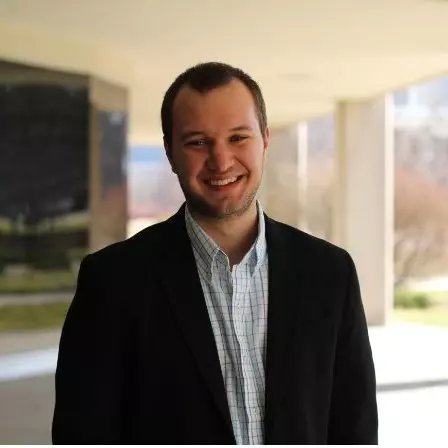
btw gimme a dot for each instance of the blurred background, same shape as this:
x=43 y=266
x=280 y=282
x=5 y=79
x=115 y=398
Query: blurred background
x=357 y=99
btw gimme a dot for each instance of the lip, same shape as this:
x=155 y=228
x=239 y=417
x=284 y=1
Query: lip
x=206 y=179
x=226 y=187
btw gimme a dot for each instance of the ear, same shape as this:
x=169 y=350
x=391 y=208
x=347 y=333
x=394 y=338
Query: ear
x=266 y=139
x=169 y=156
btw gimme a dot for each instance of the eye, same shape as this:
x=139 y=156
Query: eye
x=238 y=138
x=196 y=143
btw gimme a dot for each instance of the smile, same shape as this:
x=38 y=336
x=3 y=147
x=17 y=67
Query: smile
x=220 y=183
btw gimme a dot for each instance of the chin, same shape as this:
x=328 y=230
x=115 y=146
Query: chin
x=234 y=209
x=219 y=209
x=211 y=210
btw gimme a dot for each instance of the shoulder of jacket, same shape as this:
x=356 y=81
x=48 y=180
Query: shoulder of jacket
x=300 y=240
x=122 y=252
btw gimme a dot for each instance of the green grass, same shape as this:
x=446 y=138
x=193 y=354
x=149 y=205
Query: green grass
x=412 y=300
x=434 y=316
x=33 y=317
x=4 y=226
x=63 y=227
x=438 y=296
x=45 y=281
x=430 y=308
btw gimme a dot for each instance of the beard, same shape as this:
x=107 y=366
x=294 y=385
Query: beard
x=201 y=206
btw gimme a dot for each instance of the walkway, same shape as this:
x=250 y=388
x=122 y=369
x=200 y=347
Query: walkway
x=35 y=299
x=411 y=364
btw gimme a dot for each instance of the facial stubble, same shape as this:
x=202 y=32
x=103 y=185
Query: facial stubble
x=200 y=206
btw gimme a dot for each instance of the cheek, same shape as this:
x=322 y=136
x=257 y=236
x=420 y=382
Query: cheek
x=191 y=165
x=253 y=161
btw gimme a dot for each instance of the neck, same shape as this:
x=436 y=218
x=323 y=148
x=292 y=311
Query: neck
x=235 y=235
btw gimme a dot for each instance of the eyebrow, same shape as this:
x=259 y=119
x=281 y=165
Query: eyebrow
x=189 y=134
x=241 y=128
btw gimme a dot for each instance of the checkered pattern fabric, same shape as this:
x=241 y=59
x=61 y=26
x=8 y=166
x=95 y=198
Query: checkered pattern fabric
x=237 y=303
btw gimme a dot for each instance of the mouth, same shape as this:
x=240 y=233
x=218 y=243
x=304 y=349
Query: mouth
x=223 y=184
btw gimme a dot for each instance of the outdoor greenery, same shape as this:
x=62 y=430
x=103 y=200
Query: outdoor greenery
x=424 y=308
x=407 y=300
x=70 y=223
x=32 y=317
x=432 y=316
x=429 y=308
x=36 y=282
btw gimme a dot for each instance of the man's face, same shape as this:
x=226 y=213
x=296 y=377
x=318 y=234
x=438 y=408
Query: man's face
x=217 y=149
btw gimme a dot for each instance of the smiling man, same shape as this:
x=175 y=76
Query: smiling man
x=220 y=325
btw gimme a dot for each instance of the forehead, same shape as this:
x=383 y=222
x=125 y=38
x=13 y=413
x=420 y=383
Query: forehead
x=231 y=104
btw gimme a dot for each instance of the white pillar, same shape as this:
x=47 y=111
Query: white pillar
x=283 y=192
x=364 y=194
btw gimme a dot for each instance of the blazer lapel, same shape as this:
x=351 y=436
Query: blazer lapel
x=180 y=277
x=286 y=279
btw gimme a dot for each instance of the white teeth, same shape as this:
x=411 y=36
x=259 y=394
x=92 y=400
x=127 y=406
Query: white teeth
x=223 y=182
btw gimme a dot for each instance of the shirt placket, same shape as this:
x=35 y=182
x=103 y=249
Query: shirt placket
x=233 y=324
x=236 y=397
x=241 y=281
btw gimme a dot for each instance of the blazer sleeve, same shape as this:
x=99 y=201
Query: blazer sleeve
x=87 y=402
x=353 y=412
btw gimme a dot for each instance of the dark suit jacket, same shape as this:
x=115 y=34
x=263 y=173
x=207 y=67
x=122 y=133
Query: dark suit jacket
x=138 y=362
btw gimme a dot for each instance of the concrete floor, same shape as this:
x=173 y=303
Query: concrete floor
x=26 y=411
x=411 y=417
x=415 y=417
x=412 y=372
x=20 y=342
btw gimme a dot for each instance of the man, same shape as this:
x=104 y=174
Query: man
x=220 y=325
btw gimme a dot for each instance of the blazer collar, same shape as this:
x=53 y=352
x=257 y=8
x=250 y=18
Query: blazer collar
x=287 y=277
x=178 y=271
x=287 y=289
x=206 y=250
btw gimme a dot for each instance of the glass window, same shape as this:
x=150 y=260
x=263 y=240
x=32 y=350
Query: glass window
x=401 y=97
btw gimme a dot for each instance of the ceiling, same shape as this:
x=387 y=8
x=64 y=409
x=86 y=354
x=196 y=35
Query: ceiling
x=307 y=55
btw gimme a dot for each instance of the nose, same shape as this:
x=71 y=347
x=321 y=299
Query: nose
x=220 y=157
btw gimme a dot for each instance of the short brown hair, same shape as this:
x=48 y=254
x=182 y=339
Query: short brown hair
x=203 y=78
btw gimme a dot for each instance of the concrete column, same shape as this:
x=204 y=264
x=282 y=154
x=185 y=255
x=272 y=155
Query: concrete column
x=283 y=192
x=364 y=192
x=108 y=169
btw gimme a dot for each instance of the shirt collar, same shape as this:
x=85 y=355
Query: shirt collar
x=206 y=249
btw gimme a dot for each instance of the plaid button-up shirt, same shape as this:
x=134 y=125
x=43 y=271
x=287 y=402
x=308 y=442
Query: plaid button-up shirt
x=237 y=303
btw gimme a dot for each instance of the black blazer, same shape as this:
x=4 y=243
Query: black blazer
x=138 y=362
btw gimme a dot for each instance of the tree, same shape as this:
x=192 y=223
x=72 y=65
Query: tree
x=421 y=225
